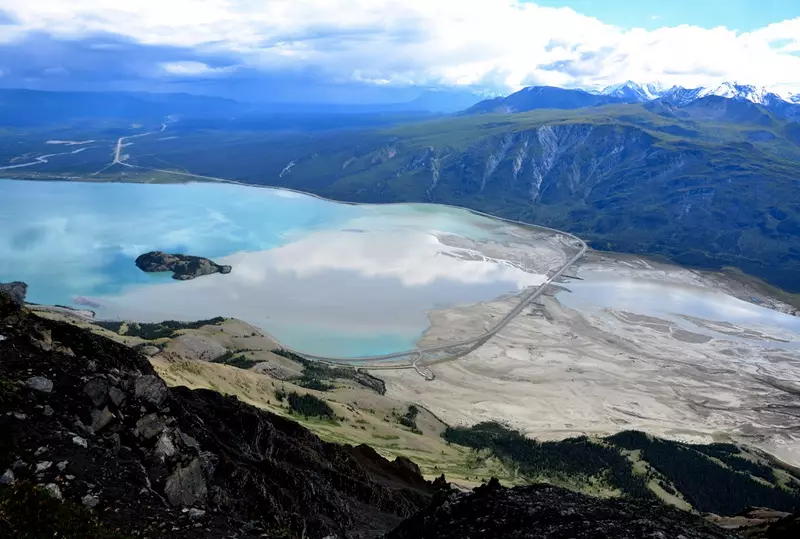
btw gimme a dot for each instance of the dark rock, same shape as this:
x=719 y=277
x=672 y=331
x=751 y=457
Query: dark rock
x=440 y=483
x=195 y=513
x=7 y=478
x=149 y=426
x=786 y=528
x=90 y=501
x=77 y=440
x=54 y=491
x=101 y=419
x=97 y=390
x=117 y=396
x=255 y=466
x=545 y=511
x=16 y=290
x=183 y=267
x=186 y=486
x=187 y=440
x=40 y=383
x=116 y=443
x=151 y=390
x=164 y=446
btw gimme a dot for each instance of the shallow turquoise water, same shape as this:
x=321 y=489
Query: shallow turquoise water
x=669 y=301
x=325 y=278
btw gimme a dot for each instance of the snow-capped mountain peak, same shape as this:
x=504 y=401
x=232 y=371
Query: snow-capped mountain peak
x=756 y=94
x=635 y=91
x=632 y=92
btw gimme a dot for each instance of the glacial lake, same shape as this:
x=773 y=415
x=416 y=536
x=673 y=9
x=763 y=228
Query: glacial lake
x=322 y=277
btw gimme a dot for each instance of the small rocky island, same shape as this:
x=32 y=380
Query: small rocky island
x=183 y=267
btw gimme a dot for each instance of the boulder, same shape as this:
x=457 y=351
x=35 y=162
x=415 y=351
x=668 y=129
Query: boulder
x=97 y=390
x=195 y=513
x=16 y=290
x=149 y=427
x=164 y=447
x=117 y=396
x=40 y=383
x=7 y=478
x=53 y=490
x=77 y=440
x=151 y=390
x=186 y=486
x=101 y=418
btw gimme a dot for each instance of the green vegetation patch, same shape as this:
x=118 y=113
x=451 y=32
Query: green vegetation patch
x=410 y=419
x=26 y=512
x=576 y=458
x=311 y=382
x=158 y=330
x=234 y=359
x=707 y=485
x=315 y=372
x=730 y=454
x=309 y=406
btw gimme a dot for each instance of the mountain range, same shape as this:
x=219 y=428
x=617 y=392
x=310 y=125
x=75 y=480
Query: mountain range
x=548 y=97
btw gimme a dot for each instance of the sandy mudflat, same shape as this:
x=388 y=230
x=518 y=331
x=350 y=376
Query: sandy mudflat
x=556 y=372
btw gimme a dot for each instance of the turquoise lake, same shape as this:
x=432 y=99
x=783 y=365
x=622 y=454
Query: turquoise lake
x=322 y=277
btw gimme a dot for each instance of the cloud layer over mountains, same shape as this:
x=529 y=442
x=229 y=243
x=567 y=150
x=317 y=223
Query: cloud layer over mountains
x=311 y=47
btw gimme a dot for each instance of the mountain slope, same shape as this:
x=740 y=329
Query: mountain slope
x=88 y=420
x=87 y=423
x=542 y=97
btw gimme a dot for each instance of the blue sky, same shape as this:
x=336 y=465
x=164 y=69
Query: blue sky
x=743 y=15
x=391 y=50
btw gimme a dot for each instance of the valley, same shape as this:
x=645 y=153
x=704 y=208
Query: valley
x=446 y=336
x=439 y=269
x=710 y=183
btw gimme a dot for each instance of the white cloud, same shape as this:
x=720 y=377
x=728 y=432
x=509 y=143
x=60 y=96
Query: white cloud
x=501 y=44
x=193 y=69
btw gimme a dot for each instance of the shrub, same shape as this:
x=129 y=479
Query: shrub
x=309 y=406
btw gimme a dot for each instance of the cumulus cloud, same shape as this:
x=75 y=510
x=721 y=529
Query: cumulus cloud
x=498 y=45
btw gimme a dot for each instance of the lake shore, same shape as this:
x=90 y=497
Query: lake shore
x=555 y=372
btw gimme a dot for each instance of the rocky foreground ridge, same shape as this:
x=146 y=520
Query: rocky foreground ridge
x=94 y=444
x=183 y=267
x=90 y=422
